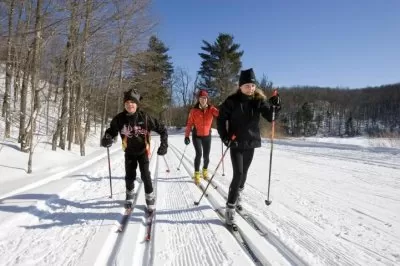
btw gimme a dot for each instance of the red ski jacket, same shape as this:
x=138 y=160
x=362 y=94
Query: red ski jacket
x=200 y=120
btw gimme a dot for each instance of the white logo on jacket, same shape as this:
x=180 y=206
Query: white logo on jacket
x=129 y=131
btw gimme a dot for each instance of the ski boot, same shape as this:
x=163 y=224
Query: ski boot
x=239 y=201
x=197 y=177
x=230 y=215
x=129 y=199
x=150 y=201
x=205 y=174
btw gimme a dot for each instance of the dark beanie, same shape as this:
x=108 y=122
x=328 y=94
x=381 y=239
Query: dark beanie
x=132 y=95
x=247 y=76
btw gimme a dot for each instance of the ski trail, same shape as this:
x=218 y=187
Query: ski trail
x=290 y=256
x=307 y=231
x=63 y=222
x=188 y=234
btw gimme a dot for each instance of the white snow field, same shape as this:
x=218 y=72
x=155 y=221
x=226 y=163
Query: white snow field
x=332 y=204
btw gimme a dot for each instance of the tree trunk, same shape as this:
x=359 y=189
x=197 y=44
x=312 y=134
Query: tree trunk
x=104 y=116
x=67 y=76
x=73 y=75
x=48 y=97
x=82 y=76
x=24 y=94
x=57 y=80
x=35 y=80
x=9 y=73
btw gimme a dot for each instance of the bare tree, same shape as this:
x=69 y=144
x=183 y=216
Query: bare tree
x=82 y=73
x=181 y=86
x=62 y=122
x=9 y=72
x=35 y=80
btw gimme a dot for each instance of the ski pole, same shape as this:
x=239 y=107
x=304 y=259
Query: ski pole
x=222 y=151
x=267 y=201
x=166 y=163
x=216 y=169
x=109 y=171
x=182 y=157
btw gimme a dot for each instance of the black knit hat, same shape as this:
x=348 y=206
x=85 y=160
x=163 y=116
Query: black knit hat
x=132 y=95
x=247 y=76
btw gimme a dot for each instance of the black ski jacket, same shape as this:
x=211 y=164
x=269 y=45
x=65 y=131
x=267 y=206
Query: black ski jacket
x=239 y=115
x=135 y=129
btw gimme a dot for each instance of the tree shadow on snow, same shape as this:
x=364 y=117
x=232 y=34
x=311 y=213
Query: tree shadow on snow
x=55 y=210
x=13 y=167
x=87 y=178
x=11 y=145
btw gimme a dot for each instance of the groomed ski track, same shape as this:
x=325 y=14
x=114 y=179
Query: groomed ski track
x=71 y=213
x=69 y=220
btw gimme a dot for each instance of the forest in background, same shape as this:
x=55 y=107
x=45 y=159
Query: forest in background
x=80 y=56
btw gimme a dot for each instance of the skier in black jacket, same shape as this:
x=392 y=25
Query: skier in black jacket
x=134 y=127
x=239 y=116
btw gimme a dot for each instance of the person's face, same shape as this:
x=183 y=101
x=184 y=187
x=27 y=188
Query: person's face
x=203 y=100
x=248 y=88
x=130 y=106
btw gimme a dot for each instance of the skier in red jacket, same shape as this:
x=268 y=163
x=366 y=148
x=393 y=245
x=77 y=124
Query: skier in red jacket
x=199 y=123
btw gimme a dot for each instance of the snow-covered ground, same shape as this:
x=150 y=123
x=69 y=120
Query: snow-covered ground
x=332 y=204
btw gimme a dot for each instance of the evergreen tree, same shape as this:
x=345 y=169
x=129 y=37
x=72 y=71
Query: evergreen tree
x=265 y=85
x=152 y=76
x=220 y=66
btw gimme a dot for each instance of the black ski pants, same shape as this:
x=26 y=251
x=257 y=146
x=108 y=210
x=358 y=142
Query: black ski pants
x=202 y=146
x=241 y=160
x=131 y=163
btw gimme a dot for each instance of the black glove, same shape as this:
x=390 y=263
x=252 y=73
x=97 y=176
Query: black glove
x=229 y=143
x=106 y=141
x=187 y=140
x=275 y=100
x=162 y=150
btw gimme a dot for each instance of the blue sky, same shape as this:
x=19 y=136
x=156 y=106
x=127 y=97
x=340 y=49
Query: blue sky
x=345 y=43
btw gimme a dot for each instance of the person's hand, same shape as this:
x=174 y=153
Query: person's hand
x=187 y=140
x=106 y=141
x=275 y=100
x=226 y=141
x=230 y=142
x=162 y=150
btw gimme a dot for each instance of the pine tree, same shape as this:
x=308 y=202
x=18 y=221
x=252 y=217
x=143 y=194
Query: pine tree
x=152 y=76
x=265 y=85
x=220 y=66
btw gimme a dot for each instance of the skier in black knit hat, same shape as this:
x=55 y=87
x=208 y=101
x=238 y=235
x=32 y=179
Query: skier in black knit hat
x=134 y=127
x=239 y=116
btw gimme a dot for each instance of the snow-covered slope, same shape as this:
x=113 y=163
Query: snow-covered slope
x=332 y=204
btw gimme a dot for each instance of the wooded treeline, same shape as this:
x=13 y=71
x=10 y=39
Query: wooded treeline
x=73 y=57
x=310 y=111
x=67 y=62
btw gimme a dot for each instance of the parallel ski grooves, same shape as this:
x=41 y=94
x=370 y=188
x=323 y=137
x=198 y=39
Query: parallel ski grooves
x=241 y=241
x=284 y=250
x=201 y=247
